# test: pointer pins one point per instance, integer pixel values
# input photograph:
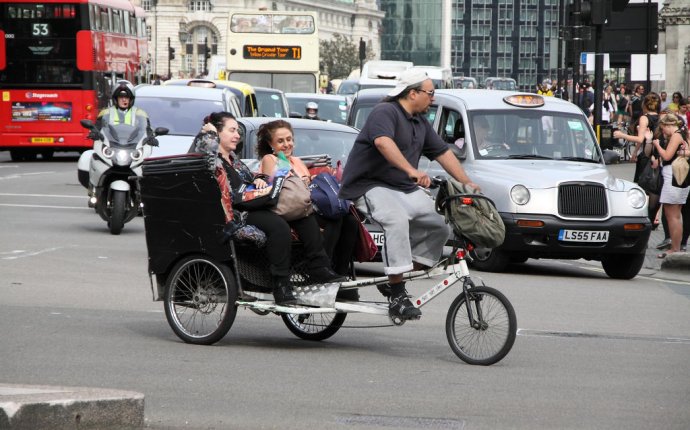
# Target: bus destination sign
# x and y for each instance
(272, 52)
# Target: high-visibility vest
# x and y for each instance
(130, 116)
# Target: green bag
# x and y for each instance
(470, 214)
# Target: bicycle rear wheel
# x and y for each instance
(314, 326)
(490, 335)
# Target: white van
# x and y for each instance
(441, 76)
(382, 73)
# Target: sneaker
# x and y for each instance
(664, 244)
(401, 307)
(322, 275)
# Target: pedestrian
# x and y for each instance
(664, 101)
(622, 101)
(672, 198)
(585, 99)
(635, 105)
(676, 99)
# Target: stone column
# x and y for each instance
(674, 41)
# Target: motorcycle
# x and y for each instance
(110, 169)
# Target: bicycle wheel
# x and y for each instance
(200, 300)
(490, 336)
(314, 326)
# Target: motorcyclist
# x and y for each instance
(123, 111)
(311, 111)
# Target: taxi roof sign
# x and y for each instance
(524, 100)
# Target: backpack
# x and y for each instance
(470, 214)
(324, 195)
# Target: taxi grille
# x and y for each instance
(587, 200)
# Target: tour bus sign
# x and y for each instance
(272, 52)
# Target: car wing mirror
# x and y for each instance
(161, 131)
(88, 124)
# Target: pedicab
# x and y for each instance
(204, 277)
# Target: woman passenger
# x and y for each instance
(220, 134)
(339, 235)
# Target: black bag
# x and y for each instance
(650, 179)
(253, 199)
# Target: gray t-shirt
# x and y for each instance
(366, 167)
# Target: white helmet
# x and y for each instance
(123, 87)
(311, 109)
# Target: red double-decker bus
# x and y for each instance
(57, 64)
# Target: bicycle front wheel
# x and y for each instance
(484, 333)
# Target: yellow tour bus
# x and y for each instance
(274, 49)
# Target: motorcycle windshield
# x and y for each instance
(124, 135)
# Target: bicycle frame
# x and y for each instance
(456, 272)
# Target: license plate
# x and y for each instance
(583, 236)
(378, 239)
(42, 140)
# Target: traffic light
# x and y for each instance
(207, 52)
(171, 53)
(595, 12)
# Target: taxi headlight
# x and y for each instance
(636, 198)
(520, 195)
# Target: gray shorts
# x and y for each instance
(413, 230)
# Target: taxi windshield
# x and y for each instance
(532, 134)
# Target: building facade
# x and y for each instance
(188, 26)
(506, 38)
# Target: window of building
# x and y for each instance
(199, 5)
(146, 4)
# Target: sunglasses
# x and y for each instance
(430, 93)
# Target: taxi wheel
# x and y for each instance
(622, 266)
(489, 259)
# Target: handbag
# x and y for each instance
(294, 199)
(324, 194)
(650, 179)
(365, 248)
(681, 177)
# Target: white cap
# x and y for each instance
(408, 78)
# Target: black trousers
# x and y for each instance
(339, 239)
(279, 241)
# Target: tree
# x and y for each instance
(340, 55)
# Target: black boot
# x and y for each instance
(282, 291)
(322, 275)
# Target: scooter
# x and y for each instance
(109, 171)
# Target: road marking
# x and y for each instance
(23, 254)
(19, 175)
(583, 335)
(42, 195)
(43, 206)
(649, 278)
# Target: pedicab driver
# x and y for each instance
(381, 176)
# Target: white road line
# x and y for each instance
(44, 206)
(19, 175)
(23, 254)
(43, 195)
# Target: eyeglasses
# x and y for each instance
(430, 93)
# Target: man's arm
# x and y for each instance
(390, 151)
(450, 164)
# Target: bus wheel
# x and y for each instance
(47, 154)
(17, 155)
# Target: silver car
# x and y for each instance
(539, 161)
